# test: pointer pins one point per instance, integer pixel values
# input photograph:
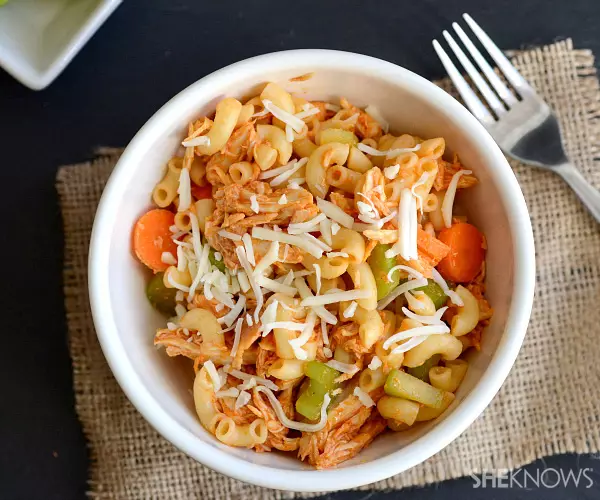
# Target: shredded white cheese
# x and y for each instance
(406, 245)
(168, 258)
(413, 272)
(348, 368)
(292, 424)
(249, 319)
(247, 240)
(335, 213)
(212, 373)
(317, 278)
(268, 318)
(390, 153)
(241, 253)
(296, 123)
(232, 392)
(416, 332)
(246, 385)
(324, 332)
(325, 228)
(242, 400)
(171, 326)
(275, 286)
(422, 180)
(283, 200)
(309, 111)
(350, 310)
(184, 190)
(254, 204)
(232, 315)
(269, 258)
(263, 233)
(331, 255)
(374, 113)
(448, 202)
(454, 297)
(174, 284)
(399, 290)
(274, 172)
(305, 292)
(305, 227)
(243, 281)
(409, 344)
(435, 319)
(246, 376)
(201, 140)
(281, 178)
(335, 227)
(332, 298)
(375, 363)
(229, 235)
(391, 172)
(363, 397)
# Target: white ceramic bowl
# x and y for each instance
(160, 386)
(38, 38)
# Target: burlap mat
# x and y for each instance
(550, 403)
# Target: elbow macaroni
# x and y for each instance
(445, 344)
(468, 316)
(318, 163)
(226, 117)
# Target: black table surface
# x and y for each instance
(144, 54)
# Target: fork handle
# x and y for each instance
(588, 195)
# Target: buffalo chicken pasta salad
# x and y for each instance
(310, 265)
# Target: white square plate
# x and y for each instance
(38, 38)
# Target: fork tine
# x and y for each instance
(503, 91)
(471, 100)
(512, 75)
(479, 82)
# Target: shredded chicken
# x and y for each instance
(234, 213)
(249, 335)
(202, 302)
(277, 437)
(371, 185)
(266, 356)
(176, 343)
(349, 428)
(446, 171)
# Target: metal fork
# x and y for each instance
(524, 127)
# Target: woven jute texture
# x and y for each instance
(549, 404)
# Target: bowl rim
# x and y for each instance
(423, 447)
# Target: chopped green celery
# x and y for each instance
(435, 293)
(219, 264)
(403, 385)
(422, 371)
(161, 297)
(320, 372)
(321, 380)
(310, 400)
(381, 265)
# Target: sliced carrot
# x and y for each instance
(152, 237)
(431, 250)
(202, 192)
(467, 251)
